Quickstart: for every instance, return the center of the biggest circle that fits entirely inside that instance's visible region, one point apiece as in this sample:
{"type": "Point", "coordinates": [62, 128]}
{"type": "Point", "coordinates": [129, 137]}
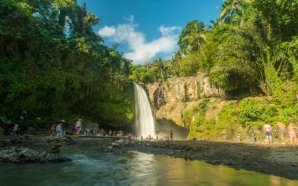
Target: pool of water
{"type": "Point", "coordinates": [92, 166]}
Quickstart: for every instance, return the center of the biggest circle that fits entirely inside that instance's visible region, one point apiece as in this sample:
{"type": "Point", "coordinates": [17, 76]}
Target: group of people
{"type": "Point", "coordinates": [160, 138]}
{"type": "Point", "coordinates": [58, 130]}
{"type": "Point", "coordinates": [283, 131]}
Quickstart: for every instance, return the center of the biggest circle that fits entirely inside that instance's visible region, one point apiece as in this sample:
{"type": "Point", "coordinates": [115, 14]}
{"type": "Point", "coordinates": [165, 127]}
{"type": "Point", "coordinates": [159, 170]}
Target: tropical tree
{"type": "Point", "coordinates": [231, 7]}
{"type": "Point", "coordinates": [192, 37]}
{"type": "Point", "coordinates": [54, 65]}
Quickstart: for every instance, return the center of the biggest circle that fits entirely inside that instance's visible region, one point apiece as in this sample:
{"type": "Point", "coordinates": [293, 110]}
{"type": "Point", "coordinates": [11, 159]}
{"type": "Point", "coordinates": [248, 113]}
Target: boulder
{"type": "Point", "coordinates": [27, 155]}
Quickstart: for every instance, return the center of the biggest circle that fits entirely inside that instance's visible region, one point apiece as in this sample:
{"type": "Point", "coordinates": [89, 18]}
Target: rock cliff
{"type": "Point", "coordinates": [169, 100]}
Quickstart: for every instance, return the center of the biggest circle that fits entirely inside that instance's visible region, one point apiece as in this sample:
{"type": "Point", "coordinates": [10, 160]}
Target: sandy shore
{"type": "Point", "coordinates": [279, 160]}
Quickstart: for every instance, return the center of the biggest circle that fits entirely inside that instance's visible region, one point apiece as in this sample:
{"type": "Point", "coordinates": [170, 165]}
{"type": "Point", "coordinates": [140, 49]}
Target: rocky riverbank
{"type": "Point", "coordinates": [27, 155]}
{"type": "Point", "coordinates": [269, 159]}
{"type": "Point", "coordinates": [279, 160]}
{"type": "Point", "coordinates": [33, 149]}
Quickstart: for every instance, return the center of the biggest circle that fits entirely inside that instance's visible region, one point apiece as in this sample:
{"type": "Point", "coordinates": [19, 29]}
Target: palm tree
{"type": "Point", "coordinates": [230, 7]}
{"type": "Point", "coordinates": [192, 37]}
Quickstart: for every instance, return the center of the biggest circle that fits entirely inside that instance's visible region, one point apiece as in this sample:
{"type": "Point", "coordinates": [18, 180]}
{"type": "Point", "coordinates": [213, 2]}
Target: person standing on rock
{"type": "Point", "coordinates": [267, 129]}
{"type": "Point", "coordinates": [59, 130]}
{"type": "Point", "coordinates": [171, 135]}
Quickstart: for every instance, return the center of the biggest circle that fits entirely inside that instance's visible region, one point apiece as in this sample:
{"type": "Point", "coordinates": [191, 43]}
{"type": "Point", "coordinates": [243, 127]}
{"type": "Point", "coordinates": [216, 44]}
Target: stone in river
{"type": "Point", "coordinates": [27, 155]}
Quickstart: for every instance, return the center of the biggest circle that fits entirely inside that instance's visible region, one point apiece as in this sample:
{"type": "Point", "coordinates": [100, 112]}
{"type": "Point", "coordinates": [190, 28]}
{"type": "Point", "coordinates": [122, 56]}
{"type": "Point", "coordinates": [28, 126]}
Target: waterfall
{"type": "Point", "coordinates": [144, 118]}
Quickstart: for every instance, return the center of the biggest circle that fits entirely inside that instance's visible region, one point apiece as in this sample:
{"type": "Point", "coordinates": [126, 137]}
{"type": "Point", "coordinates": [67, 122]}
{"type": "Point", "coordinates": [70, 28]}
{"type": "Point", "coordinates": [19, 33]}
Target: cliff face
{"type": "Point", "coordinates": [170, 99]}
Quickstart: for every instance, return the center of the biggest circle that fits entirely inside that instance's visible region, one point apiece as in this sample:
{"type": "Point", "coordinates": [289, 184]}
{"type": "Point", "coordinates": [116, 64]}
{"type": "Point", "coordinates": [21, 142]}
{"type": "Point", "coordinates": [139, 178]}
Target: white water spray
{"type": "Point", "coordinates": [144, 118]}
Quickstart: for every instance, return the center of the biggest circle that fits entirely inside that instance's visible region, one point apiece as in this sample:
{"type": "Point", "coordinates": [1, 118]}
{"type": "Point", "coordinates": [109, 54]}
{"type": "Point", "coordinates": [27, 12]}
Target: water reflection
{"type": "Point", "coordinates": [164, 170]}
{"type": "Point", "coordinates": [90, 166]}
{"type": "Point", "coordinates": [143, 169]}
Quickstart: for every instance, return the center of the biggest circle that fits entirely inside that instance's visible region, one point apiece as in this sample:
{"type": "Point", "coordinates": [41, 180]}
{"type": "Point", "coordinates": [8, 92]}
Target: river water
{"type": "Point", "coordinates": [92, 166]}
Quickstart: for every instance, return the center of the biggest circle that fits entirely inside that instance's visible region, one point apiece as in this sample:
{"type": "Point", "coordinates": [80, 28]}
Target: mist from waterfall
{"type": "Point", "coordinates": [144, 119]}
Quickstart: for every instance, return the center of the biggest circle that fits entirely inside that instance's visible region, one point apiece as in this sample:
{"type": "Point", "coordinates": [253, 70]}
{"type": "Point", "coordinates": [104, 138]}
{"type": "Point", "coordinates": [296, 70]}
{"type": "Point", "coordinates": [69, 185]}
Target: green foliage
{"type": "Point", "coordinates": [157, 71]}
{"type": "Point", "coordinates": [282, 16]}
{"type": "Point", "coordinates": [251, 110]}
{"type": "Point", "coordinates": [244, 118]}
{"type": "Point", "coordinates": [188, 65]}
{"type": "Point", "coordinates": [250, 46]}
{"type": "Point", "coordinates": [194, 118]}
{"type": "Point", "coordinates": [231, 9]}
{"type": "Point", "coordinates": [273, 81]}
{"type": "Point", "coordinates": [227, 114]}
{"type": "Point", "coordinates": [192, 37]}
{"type": "Point", "coordinates": [225, 75]}
{"type": "Point", "coordinates": [201, 108]}
{"type": "Point", "coordinates": [53, 65]}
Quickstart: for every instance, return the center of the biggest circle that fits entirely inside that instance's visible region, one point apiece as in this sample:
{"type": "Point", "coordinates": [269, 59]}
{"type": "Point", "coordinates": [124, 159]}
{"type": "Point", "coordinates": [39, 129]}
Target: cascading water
{"type": "Point", "coordinates": [144, 118]}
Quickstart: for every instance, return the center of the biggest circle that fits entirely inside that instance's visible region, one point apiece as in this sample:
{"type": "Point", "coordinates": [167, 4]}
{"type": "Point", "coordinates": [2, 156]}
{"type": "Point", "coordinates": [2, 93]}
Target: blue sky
{"type": "Point", "coordinates": [148, 29]}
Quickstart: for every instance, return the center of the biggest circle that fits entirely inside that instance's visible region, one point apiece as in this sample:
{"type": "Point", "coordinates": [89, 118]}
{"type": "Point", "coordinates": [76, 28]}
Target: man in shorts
{"type": "Point", "coordinates": [267, 129]}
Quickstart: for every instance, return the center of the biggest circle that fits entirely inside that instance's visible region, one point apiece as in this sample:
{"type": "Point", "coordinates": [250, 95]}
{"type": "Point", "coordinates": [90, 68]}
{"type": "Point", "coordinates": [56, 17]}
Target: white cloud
{"type": "Point", "coordinates": [141, 50]}
{"type": "Point", "coordinates": [107, 31]}
{"type": "Point", "coordinates": [168, 31]}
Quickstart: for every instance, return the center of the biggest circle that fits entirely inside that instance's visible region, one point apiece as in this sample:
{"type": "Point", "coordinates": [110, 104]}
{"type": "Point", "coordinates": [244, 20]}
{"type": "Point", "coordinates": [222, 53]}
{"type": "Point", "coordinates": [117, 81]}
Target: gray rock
{"type": "Point", "coordinates": [26, 155]}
